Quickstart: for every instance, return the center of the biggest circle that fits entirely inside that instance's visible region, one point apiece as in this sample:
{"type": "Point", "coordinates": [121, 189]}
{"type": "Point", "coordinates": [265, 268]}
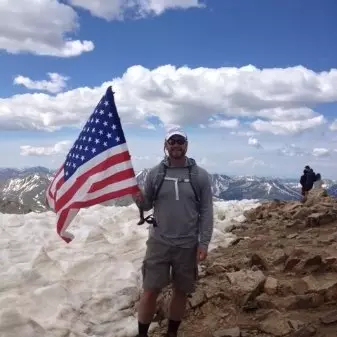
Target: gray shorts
{"type": "Point", "coordinates": [163, 264]}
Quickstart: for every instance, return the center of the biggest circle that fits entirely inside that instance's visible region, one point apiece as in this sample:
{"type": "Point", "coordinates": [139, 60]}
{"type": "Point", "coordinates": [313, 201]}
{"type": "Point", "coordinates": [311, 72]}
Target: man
{"type": "Point", "coordinates": [180, 193]}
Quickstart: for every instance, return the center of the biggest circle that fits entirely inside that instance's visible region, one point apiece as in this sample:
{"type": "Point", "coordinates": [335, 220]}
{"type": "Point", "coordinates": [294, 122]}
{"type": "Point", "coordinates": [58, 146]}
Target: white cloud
{"type": "Point", "coordinates": [288, 127]}
{"type": "Point", "coordinates": [333, 125]}
{"type": "Point", "coordinates": [120, 9]}
{"type": "Point", "coordinates": [320, 152]}
{"type": "Point", "coordinates": [251, 161]}
{"type": "Point", "coordinates": [40, 27]}
{"type": "Point", "coordinates": [206, 162]}
{"type": "Point", "coordinates": [228, 124]}
{"type": "Point", "coordinates": [254, 142]}
{"type": "Point", "coordinates": [56, 84]}
{"type": "Point", "coordinates": [292, 151]}
{"type": "Point", "coordinates": [244, 133]}
{"type": "Point", "coordinates": [187, 96]}
{"type": "Point", "coordinates": [59, 148]}
{"type": "Point", "coordinates": [285, 114]}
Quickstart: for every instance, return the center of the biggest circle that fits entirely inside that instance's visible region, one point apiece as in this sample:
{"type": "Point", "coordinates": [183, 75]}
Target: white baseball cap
{"type": "Point", "coordinates": [175, 131]}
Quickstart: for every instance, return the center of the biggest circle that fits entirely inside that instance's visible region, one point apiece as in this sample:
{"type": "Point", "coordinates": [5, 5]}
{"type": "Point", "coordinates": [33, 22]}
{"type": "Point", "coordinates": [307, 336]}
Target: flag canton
{"type": "Point", "coordinates": [102, 131]}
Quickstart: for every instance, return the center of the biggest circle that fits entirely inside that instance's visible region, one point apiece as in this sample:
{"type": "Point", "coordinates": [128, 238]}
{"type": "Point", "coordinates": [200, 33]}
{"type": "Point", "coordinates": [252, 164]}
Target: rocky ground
{"type": "Point", "coordinates": [278, 278]}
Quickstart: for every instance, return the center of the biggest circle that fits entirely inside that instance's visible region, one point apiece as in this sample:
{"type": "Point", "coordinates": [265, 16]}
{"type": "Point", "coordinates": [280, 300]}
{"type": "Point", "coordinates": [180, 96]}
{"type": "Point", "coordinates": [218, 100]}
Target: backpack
{"type": "Point", "coordinates": [192, 179]}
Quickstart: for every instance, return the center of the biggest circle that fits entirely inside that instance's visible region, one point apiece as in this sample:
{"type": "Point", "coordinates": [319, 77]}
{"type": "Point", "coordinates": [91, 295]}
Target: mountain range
{"type": "Point", "coordinates": [23, 191]}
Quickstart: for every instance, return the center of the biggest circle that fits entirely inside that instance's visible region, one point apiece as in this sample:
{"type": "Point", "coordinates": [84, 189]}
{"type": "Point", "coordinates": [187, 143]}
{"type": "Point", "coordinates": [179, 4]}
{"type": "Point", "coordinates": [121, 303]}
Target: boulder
{"type": "Point", "coordinates": [246, 284]}
{"type": "Point", "coordinates": [270, 286]}
{"type": "Point", "coordinates": [320, 284]}
{"type": "Point", "coordinates": [259, 261]}
{"type": "Point", "coordinates": [276, 324]}
{"type": "Point", "coordinates": [231, 332]}
{"type": "Point", "coordinates": [320, 219]}
{"type": "Point", "coordinates": [330, 318]}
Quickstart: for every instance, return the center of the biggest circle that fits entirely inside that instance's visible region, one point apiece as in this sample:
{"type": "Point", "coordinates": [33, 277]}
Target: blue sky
{"type": "Point", "coordinates": [245, 75]}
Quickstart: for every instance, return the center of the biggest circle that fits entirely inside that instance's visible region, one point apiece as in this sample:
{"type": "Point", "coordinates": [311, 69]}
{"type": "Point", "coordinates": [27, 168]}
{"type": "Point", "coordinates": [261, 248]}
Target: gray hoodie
{"type": "Point", "coordinates": [175, 210]}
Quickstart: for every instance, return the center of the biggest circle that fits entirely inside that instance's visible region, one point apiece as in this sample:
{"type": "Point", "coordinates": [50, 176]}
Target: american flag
{"type": "Point", "coordinates": [97, 168]}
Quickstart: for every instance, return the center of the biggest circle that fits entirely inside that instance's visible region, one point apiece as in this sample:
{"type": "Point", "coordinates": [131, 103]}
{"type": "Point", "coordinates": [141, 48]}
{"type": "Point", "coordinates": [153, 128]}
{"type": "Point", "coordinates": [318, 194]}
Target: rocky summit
{"type": "Point", "coordinates": [277, 278]}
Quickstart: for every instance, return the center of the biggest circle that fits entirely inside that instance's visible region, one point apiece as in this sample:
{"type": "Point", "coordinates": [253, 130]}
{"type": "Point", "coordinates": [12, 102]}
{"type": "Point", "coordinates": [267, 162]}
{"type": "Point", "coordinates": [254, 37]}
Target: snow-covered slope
{"type": "Point", "coordinates": [258, 188]}
{"type": "Point", "coordinates": [25, 187]}
{"type": "Point", "coordinates": [220, 183]}
{"type": "Point", "coordinates": [86, 288]}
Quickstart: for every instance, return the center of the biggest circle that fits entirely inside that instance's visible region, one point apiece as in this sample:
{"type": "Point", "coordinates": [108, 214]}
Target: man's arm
{"type": "Point", "coordinates": [145, 200]}
{"type": "Point", "coordinates": [206, 211]}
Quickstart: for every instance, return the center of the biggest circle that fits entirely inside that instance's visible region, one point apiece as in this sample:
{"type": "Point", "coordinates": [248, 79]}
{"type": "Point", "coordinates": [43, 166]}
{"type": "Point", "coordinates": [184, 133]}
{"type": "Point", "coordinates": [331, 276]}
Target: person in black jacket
{"type": "Point", "coordinates": [307, 180]}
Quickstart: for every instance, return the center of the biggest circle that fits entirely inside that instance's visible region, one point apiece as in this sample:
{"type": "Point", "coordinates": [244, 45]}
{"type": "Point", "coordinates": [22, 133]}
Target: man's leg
{"type": "Point", "coordinates": [146, 310]}
{"type": "Point", "coordinates": [176, 311]}
{"type": "Point", "coordinates": [177, 305]}
{"type": "Point", "coordinates": [156, 275]}
{"type": "Point", "coordinates": [184, 271]}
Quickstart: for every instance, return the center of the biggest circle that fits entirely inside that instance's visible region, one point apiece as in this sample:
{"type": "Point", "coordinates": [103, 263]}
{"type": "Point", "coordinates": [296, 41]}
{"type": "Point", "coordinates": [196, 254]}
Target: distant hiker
{"type": "Point", "coordinates": [180, 193]}
{"type": "Point", "coordinates": [307, 181]}
{"type": "Point", "coordinates": [318, 182]}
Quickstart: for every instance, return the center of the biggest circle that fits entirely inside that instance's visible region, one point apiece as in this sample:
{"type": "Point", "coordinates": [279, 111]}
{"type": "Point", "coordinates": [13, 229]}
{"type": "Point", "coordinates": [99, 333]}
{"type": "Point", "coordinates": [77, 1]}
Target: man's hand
{"type": "Point", "coordinates": [201, 254]}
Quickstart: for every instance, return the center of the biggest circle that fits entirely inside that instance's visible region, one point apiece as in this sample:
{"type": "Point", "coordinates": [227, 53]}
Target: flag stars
{"type": "Point", "coordinates": [100, 133]}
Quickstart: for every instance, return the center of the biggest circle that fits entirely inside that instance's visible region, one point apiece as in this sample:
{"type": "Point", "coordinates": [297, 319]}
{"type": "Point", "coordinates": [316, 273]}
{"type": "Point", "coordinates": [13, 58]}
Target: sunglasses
{"type": "Point", "coordinates": [179, 141]}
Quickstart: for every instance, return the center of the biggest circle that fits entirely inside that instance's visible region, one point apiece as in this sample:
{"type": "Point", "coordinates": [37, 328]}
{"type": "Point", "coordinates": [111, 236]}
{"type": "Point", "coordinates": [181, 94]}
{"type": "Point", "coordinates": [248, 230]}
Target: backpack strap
{"type": "Point", "coordinates": [193, 178]}
{"type": "Point", "coordinates": [159, 180]}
